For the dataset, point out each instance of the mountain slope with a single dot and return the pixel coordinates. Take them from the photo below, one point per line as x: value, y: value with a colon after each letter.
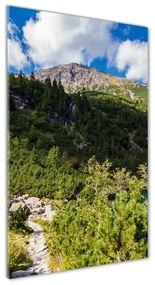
x: 86, y: 153
x: 75, y: 77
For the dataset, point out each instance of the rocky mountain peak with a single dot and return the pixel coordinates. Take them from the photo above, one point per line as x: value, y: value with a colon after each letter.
x: 76, y: 77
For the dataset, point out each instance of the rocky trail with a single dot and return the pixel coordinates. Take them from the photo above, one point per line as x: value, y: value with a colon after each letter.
x: 37, y: 248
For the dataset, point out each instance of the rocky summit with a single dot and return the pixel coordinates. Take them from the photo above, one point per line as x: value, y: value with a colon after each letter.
x: 76, y: 77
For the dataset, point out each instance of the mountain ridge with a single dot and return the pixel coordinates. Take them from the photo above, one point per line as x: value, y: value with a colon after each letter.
x: 77, y: 77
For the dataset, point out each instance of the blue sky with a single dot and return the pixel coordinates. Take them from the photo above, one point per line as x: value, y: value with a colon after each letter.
x: 39, y: 39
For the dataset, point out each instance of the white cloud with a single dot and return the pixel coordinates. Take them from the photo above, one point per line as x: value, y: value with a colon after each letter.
x: 55, y: 39
x: 13, y: 30
x: 16, y: 56
x: 132, y: 56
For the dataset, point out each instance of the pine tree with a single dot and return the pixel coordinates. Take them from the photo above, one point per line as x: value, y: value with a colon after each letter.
x: 100, y: 228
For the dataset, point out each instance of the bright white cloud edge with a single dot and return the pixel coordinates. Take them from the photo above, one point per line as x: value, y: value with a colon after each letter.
x: 54, y: 39
x: 16, y: 57
x: 132, y: 56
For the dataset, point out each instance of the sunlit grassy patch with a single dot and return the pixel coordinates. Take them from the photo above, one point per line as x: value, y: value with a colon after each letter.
x: 18, y: 258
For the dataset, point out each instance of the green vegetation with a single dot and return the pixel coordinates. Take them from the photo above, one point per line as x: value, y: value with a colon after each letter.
x: 87, y: 152
x: 17, y: 219
x: 108, y: 224
x: 18, y: 258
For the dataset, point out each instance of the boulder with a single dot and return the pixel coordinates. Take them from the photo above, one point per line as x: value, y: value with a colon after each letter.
x: 32, y: 202
x: 15, y: 207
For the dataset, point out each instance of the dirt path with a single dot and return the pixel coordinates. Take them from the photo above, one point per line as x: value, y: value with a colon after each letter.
x: 37, y: 249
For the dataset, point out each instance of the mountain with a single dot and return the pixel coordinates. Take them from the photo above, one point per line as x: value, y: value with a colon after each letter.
x: 76, y: 77
x: 83, y: 153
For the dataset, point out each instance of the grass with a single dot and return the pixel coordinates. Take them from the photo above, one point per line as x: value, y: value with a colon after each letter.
x: 18, y: 258
x: 142, y: 92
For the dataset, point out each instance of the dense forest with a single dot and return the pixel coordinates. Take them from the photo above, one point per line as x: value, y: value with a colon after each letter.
x: 87, y: 152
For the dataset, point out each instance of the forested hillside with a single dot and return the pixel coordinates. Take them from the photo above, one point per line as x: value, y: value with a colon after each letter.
x: 87, y: 152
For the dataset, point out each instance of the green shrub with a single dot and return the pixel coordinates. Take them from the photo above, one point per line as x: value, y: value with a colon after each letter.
x: 96, y: 230
x: 18, y: 258
x: 17, y: 219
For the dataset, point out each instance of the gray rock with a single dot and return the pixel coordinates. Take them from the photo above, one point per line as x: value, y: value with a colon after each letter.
x: 75, y: 77
x: 21, y: 273
x: 15, y: 207
x: 31, y: 201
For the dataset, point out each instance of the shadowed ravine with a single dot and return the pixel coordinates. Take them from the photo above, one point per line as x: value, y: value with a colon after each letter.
x: 37, y: 249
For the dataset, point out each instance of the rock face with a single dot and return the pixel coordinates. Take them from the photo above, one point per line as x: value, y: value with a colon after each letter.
x: 75, y: 77
x: 19, y: 102
x: 131, y: 94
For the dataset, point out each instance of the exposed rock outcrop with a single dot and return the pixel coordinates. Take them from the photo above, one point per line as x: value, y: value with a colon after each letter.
x: 19, y: 102
x: 34, y: 204
x: 75, y: 77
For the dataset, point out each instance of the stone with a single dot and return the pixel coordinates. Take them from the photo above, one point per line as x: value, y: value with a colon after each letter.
x: 21, y: 273
x: 15, y: 207
x: 31, y: 201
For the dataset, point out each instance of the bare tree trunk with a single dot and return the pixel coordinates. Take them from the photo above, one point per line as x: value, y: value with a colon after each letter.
x: 118, y: 256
